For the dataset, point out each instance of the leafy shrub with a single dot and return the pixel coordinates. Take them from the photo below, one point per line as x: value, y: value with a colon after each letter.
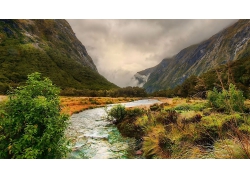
x: 198, y: 106
x: 228, y: 100
x: 31, y: 125
x: 183, y: 107
x: 134, y: 112
x: 190, y: 107
x: 118, y: 112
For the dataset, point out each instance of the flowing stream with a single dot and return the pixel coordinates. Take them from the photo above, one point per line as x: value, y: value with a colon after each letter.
x: 94, y: 137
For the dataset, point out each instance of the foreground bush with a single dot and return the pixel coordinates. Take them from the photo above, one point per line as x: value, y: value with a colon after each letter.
x: 228, y: 100
x: 31, y: 125
x: 118, y: 112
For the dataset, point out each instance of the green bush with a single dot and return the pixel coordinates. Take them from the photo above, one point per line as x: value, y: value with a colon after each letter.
x: 183, y: 107
x: 190, y: 107
x: 118, y: 112
x: 228, y: 100
x: 198, y: 106
x: 31, y: 125
x: 134, y: 112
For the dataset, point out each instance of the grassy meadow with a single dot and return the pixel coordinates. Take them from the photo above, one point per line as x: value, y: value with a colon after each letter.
x: 183, y: 128
x: 71, y: 105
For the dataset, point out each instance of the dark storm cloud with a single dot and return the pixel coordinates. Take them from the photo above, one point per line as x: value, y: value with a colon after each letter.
x: 120, y: 48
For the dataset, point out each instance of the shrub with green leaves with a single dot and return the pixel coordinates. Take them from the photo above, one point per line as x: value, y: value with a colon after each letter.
x: 228, y: 100
x: 183, y: 107
x: 31, y: 125
x: 134, y: 112
x: 118, y: 112
x: 190, y: 107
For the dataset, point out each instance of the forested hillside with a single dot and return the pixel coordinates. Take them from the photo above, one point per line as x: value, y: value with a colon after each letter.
x: 49, y: 47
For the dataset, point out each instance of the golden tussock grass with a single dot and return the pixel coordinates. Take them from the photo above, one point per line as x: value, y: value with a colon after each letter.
x: 73, y: 105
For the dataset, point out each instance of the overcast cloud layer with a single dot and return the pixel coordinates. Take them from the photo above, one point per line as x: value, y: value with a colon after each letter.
x: 120, y: 48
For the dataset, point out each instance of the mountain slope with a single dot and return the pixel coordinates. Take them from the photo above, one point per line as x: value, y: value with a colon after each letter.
x: 142, y: 76
x: 227, y: 45
x: 235, y: 72
x: 49, y: 47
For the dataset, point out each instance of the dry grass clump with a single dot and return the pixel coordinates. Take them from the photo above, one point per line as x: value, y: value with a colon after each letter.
x: 233, y: 148
x: 156, y: 144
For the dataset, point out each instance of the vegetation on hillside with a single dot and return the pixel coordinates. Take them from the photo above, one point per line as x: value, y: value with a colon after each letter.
x: 31, y: 124
x: 49, y: 47
x: 116, y: 92
x: 235, y: 72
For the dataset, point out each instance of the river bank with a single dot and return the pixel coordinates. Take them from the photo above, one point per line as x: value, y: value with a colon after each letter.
x: 72, y: 105
x: 183, y: 128
x: 93, y: 136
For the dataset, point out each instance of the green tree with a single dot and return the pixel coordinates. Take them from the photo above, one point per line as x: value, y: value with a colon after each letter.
x: 31, y: 125
x: 230, y: 100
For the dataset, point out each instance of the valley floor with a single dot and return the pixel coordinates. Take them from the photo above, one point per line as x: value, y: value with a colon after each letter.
x: 73, y: 105
x: 176, y: 128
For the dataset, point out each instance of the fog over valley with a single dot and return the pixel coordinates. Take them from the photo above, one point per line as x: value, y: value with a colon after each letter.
x: 120, y: 48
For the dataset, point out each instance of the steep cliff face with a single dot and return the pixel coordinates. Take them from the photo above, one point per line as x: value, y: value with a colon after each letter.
x: 49, y: 47
x: 228, y: 45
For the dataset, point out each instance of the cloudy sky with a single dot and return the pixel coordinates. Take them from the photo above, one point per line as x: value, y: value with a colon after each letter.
x: 120, y: 48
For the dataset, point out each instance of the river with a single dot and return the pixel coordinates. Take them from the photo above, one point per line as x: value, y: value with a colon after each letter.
x: 94, y: 137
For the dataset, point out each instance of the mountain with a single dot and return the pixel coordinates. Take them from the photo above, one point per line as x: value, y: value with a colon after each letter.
x: 234, y: 72
x: 228, y: 45
x: 142, y: 76
x: 49, y: 47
